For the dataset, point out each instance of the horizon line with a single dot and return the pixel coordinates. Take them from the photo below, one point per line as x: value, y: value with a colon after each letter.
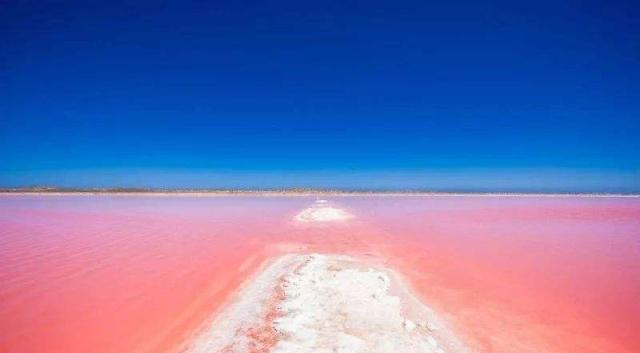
x: 289, y: 192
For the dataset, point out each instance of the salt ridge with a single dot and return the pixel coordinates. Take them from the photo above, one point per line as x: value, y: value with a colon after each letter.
x: 326, y: 303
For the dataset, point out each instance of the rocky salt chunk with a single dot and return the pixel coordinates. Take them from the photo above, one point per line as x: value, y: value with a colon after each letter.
x: 409, y: 325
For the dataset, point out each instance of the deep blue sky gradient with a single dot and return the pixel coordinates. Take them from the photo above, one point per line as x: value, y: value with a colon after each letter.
x: 539, y: 95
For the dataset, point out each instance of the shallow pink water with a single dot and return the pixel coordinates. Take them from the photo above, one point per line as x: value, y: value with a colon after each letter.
x: 140, y: 274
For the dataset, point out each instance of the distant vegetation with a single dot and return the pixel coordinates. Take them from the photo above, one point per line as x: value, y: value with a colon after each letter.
x: 54, y: 189
x: 273, y: 191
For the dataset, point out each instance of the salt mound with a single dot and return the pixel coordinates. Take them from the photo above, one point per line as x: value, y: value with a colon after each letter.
x: 322, y: 213
x: 326, y: 304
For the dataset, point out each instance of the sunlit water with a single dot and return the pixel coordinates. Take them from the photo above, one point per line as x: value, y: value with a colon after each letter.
x: 144, y: 273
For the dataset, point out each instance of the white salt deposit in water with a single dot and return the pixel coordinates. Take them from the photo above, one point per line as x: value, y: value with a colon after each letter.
x: 320, y: 212
x: 326, y: 303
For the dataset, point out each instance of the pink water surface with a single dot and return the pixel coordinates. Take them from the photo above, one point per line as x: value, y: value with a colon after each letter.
x: 142, y: 273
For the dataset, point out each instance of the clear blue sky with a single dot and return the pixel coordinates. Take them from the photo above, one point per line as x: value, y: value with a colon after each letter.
x: 540, y: 95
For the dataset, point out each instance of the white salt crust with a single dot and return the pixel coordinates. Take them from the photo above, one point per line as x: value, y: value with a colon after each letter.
x: 330, y: 303
x: 321, y: 212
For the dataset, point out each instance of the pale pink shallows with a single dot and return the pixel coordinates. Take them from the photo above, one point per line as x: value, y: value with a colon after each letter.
x: 140, y: 274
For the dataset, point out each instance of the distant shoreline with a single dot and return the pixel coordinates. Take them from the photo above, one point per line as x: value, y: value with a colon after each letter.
x: 287, y: 192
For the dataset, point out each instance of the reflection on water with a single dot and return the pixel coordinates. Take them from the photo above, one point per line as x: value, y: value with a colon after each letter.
x: 140, y: 274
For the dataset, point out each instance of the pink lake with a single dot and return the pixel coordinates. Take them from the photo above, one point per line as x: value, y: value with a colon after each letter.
x: 143, y: 273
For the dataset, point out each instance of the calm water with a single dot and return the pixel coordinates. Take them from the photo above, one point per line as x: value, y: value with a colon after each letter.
x: 141, y: 274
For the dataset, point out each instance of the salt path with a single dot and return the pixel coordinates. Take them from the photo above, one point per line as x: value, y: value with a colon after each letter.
x: 325, y: 303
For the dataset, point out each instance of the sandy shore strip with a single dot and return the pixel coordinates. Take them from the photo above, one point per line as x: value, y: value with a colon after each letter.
x: 325, y: 303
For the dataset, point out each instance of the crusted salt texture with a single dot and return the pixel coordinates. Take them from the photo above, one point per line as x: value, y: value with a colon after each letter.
x: 330, y: 306
x: 228, y: 331
x: 322, y: 304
